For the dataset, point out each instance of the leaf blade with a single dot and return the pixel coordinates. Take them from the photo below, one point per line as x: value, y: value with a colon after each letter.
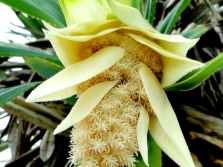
x: 168, y: 23
x: 150, y: 11
x: 10, y: 93
x: 48, y: 11
x: 43, y: 67
x: 11, y: 50
x: 196, y: 32
x: 137, y: 4
x: 196, y: 77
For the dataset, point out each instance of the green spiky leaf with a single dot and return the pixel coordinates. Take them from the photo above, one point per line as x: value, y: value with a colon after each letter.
x: 43, y: 67
x: 137, y: 4
x: 150, y: 11
x: 48, y: 11
x: 11, y: 50
x: 196, y: 32
x: 170, y: 20
x: 196, y: 77
x: 31, y: 24
x: 10, y: 93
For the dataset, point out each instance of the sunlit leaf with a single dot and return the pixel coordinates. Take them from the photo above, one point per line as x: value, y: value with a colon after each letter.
x: 48, y: 11
x: 10, y: 93
x: 196, y: 77
x: 31, y: 25
x: 170, y: 20
x: 137, y: 4
x: 11, y: 50
x: 150, y: 11
x: 196, y: 32
x: 43, y: 67
x: 19, y: 33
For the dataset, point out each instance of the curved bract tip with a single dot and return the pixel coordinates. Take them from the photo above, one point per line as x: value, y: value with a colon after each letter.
x: 165, y: 122
x: 85, y: 104
x: 142, y: 130
x: 77, y: 73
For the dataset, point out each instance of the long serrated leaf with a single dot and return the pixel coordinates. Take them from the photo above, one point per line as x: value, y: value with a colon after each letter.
x: 196, y: 77
x: 169, y: 22
x: 11, y: 50
x: 10, y: 93
x: 154, y: 154
x: 19, y: 33
x: 48, y: 11
x: 137, y: 4
x: 195, y: 14
x: 32, y: 25
x: 195, y: 32
x: 43, y: 67
x: 150, y: 11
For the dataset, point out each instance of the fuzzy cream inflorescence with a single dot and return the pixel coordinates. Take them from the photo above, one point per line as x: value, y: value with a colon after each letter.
x: 107, y: 137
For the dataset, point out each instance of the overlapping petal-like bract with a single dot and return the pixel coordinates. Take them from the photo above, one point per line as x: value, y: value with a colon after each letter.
x: 93, y: 23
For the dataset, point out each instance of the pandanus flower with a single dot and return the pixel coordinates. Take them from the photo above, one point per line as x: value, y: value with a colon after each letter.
x: 117, y: 64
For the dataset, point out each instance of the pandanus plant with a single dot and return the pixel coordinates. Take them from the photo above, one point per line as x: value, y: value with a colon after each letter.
x: 117, y: 64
